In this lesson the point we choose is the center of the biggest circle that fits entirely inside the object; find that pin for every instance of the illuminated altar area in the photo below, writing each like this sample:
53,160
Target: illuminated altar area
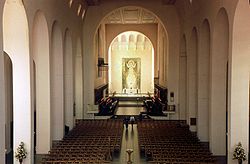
131,64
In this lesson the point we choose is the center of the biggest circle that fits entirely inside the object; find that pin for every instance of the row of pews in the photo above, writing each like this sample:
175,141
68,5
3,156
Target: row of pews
171,142
107,106
91,141
154,106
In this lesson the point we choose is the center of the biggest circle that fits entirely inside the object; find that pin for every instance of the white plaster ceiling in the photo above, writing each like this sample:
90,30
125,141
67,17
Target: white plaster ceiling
130,15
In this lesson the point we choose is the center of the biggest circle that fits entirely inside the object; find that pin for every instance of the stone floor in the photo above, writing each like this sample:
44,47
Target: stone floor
129,141
129,108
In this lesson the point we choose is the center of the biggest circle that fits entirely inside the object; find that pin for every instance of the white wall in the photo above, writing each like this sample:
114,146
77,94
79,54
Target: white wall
218,84
196,13
192,78
183,81
162,57
238,115
57,83
40,53
22,112
2,94
9,101
78,81
203,82
68,80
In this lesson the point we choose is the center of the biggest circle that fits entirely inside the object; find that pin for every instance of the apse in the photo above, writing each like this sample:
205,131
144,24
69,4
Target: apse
131,68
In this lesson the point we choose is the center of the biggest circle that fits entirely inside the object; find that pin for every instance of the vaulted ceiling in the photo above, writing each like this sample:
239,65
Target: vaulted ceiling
97,2
130,15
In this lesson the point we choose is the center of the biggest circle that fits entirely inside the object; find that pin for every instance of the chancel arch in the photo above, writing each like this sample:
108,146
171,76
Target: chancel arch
14,15
40,52
92,26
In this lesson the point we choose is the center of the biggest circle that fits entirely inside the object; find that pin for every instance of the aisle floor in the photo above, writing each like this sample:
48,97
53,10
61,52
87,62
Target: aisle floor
129,141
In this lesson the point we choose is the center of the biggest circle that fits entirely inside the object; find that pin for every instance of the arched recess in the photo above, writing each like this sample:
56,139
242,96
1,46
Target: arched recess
8,76
68,80
91,26
78,81
218,92
40,52
192,80
239,66
203,82
162,65
121,80
57,84
14,16
183,80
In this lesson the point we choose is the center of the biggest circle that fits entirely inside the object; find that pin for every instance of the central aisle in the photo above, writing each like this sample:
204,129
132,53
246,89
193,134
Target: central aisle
128,108
129,141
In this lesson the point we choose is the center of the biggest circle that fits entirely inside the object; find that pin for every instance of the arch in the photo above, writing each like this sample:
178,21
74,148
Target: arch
57,84
238,97
70,3
203,82
140,38
78,81
40,52
79,9
68,79
20,56
8,76
131,38
218,92
147,31
192,78
144,57
163,57
91,26
83,13
183,80
142,8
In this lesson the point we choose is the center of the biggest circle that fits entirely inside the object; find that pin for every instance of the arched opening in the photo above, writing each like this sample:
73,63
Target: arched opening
203,82
40,52
34,106
238,94
131,64
14,16
98,47
218,92
183,80
78,82
162,55
68,82
192,80
8,76
57,83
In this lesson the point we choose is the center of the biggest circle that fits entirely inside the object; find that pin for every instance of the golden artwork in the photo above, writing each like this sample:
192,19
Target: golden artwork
131,75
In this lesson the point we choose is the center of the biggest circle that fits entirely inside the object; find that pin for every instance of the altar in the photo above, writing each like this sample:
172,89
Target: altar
131,91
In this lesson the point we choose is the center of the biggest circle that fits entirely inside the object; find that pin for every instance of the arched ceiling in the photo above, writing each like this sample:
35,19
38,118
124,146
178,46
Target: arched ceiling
97,2
130,15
